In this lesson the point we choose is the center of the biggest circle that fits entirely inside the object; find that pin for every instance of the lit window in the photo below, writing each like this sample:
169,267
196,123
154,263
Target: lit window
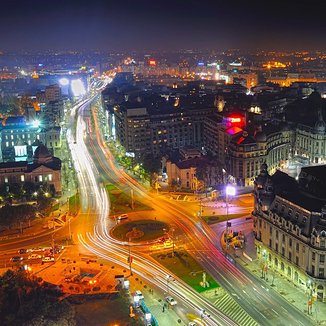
22,178
40,178
6,180
50,177
7,144
11,137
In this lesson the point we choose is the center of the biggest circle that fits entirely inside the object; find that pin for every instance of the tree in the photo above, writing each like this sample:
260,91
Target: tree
25,300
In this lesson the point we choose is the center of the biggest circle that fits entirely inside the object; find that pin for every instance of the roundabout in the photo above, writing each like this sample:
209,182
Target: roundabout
139,231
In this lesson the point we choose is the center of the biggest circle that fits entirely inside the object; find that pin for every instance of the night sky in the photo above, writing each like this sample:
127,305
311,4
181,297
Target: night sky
161,24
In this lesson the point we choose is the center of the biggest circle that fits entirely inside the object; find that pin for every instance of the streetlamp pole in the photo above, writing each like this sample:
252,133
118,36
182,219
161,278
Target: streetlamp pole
229,191
172,242
132,198
129,258
167,284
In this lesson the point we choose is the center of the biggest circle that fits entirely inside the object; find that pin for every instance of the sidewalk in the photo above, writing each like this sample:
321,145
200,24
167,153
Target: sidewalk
274,280
70,262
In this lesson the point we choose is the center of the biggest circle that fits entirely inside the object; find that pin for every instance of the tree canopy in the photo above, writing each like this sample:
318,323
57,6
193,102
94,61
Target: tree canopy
27,300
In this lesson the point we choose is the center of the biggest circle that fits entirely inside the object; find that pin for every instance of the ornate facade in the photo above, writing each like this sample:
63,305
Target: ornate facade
290,227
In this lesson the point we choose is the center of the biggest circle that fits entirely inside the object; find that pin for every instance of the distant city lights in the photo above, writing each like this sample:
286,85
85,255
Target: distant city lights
64,81
78,88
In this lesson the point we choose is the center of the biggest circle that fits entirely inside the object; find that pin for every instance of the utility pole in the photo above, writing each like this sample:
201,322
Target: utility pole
132,198
53,245
172,230
130,258
167,284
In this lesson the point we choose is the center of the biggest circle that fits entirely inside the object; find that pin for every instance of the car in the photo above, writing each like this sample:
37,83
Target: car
34,256
22,251
139,295
35,249
47,259
122,217
16,259
170,301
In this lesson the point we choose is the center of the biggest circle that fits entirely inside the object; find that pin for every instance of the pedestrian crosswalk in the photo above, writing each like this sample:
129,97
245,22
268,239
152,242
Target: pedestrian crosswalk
233,310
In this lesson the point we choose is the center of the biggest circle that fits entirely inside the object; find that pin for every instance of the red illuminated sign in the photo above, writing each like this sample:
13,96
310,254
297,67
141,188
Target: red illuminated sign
234,120
152,62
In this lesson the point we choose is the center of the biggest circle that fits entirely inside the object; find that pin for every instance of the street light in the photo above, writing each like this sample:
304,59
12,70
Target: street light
229,192
129,257
168,277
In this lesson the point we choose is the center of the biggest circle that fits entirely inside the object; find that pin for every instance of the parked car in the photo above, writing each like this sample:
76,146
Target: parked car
48,259
139,295
22,251
122,217
170,301
34,256
16,259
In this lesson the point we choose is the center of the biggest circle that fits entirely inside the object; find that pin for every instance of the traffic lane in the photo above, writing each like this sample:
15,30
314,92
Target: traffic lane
156,274
271,300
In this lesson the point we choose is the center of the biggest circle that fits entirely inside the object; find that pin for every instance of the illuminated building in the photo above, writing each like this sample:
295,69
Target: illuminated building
44,169
52,93
192,171
17,138
290,227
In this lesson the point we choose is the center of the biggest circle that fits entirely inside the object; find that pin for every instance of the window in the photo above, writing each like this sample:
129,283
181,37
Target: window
290,242
313,270
50,177
6,180
313,256
40,178
322,258
297,260
270,243
283,251
321,272
283,237
276,247
22,178
276,235
322,243
290,256
297,246
270,230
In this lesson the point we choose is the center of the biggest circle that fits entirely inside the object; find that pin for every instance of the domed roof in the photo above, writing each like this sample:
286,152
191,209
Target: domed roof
320,127
42,154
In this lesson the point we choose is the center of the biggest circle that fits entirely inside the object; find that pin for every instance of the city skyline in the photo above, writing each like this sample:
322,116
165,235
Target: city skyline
158,25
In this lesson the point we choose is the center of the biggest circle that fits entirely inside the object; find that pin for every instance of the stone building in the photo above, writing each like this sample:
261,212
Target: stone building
290,227
44,169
